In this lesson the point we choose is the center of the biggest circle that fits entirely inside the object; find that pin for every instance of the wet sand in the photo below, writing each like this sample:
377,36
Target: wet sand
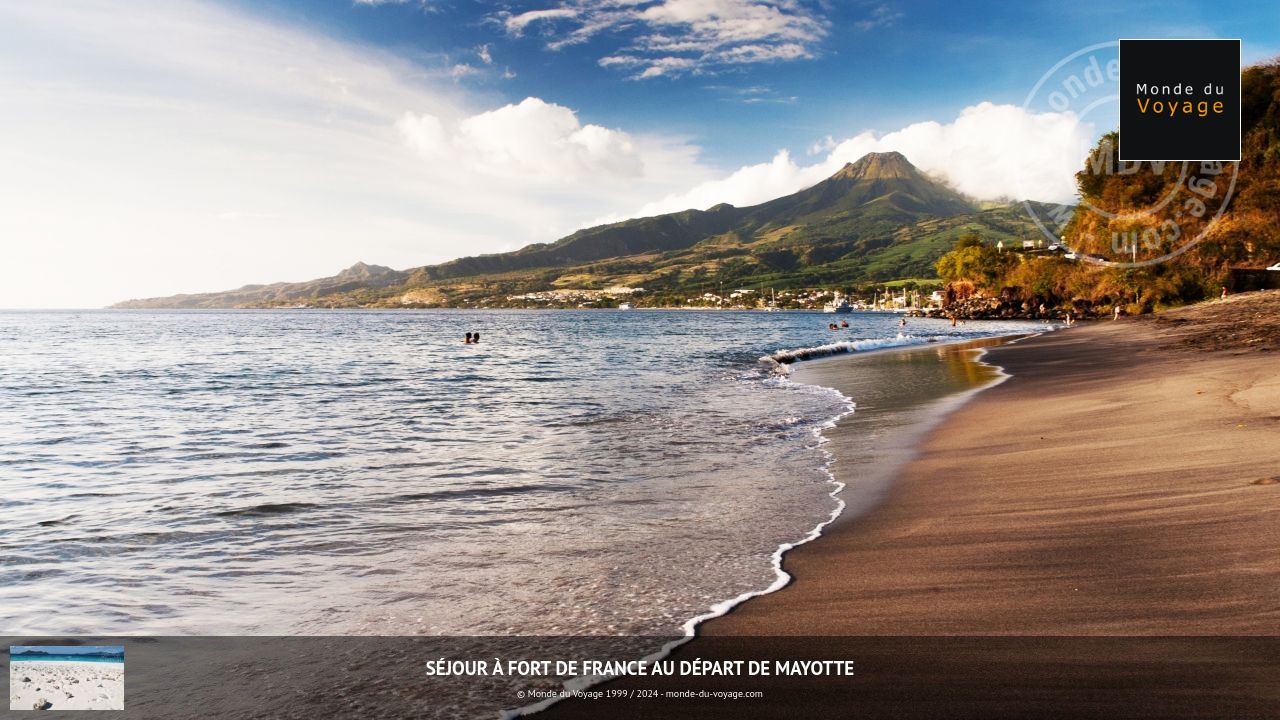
1113,499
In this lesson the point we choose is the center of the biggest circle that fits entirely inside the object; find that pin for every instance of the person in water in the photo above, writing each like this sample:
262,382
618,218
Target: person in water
475,338
902,322
844,323
468,340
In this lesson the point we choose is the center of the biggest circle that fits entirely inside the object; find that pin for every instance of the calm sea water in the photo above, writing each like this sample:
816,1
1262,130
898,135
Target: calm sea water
315,472
66,658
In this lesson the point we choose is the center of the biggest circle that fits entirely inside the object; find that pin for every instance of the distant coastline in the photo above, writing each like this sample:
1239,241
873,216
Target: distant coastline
876,226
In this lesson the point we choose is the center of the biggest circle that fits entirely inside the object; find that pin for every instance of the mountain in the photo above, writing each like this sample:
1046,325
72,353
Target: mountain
879,218
355,278
879,184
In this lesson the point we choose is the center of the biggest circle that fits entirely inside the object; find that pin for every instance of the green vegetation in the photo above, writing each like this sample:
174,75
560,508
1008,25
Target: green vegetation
1246,235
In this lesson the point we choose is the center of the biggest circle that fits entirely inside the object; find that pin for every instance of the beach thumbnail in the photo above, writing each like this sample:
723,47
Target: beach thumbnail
66,677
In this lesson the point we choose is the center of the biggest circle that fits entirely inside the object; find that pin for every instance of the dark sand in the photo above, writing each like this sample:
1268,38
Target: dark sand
1116,484
1125,481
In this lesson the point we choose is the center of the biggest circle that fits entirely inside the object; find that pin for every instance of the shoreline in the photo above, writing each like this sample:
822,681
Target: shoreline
1117,488
870,444
919,414
923,414
924,417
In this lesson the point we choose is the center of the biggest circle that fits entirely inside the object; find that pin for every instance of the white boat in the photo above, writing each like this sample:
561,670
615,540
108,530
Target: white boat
839,306
626,306
772,305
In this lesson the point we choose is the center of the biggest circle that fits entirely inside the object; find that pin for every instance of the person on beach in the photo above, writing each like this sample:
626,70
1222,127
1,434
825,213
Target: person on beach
1116,316
1224,292
468,340
1069,320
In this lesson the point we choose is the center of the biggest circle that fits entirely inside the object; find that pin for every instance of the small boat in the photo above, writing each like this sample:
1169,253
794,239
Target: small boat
772,305
839,305
626,306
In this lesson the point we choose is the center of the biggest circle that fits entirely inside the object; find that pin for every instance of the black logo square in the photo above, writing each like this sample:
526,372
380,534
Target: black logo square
1179,100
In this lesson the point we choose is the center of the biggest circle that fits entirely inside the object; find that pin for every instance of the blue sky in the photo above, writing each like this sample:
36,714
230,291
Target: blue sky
880,65
167,146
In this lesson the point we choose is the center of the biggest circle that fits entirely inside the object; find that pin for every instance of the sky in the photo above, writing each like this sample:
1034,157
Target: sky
67,649
152,147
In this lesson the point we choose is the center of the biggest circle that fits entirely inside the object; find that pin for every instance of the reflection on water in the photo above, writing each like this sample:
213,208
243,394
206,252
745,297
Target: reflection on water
899,395
368,473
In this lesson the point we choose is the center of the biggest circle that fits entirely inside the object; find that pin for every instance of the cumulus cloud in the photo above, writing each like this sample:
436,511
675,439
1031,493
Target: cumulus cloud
677,37
989,152
532,140
190,147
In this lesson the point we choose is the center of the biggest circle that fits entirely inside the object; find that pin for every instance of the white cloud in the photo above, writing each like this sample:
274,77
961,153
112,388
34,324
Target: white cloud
990,152
179,146
533,140
882,15
461,70
516,24
376,3
677,37
826,144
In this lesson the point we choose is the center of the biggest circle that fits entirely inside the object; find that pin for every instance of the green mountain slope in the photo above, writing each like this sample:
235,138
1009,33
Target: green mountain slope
879,218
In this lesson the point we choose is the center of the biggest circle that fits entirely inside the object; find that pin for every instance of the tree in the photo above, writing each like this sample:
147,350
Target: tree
972,260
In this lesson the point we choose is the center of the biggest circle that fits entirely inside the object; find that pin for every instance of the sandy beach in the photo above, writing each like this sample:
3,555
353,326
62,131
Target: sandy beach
65,685
1123,482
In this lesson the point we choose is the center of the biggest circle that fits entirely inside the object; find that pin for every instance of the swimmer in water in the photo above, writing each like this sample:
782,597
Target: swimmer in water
468,340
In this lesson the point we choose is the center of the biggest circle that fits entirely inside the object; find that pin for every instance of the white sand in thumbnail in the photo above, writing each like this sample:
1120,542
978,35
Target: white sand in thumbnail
59,685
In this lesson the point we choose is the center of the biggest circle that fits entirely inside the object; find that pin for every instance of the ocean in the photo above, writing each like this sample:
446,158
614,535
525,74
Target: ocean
367,473
67,658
